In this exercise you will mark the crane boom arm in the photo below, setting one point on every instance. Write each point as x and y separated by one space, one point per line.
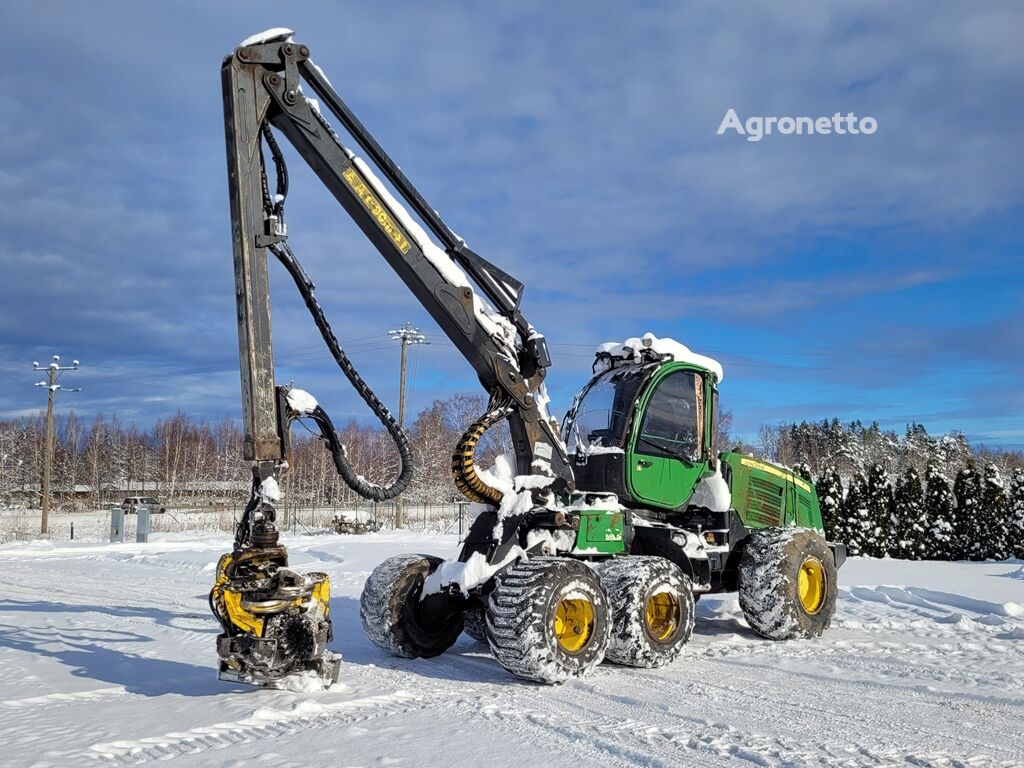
262 84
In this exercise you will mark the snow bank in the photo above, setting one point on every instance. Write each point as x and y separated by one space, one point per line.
123 665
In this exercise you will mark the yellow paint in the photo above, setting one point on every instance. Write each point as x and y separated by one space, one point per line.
811 585
239 616
574 624
376 209
662 615
229 603
322 594
773 470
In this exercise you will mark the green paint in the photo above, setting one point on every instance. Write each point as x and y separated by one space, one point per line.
767 495
669 439
668 444
600 532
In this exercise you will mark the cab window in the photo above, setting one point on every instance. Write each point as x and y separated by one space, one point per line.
671 423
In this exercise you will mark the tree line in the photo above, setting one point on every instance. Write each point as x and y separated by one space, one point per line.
185 461
911 496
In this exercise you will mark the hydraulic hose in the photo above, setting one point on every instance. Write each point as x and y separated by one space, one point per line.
468 482
353 480
274 207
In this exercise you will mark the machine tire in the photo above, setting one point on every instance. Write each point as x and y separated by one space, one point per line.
548 619
652 610
475 624
787 583
390 609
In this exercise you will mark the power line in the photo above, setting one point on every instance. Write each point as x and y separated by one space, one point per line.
405 335
53 373
415 366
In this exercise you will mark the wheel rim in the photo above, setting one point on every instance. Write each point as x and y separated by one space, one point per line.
811 585
662 615
573 623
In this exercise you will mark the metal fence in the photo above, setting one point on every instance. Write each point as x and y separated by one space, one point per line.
453 517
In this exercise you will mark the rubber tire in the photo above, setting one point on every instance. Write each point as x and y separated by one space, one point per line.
475 624
388 609
630 581
520 619
768 583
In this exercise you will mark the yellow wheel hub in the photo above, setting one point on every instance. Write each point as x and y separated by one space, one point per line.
662 615
811 585
574 624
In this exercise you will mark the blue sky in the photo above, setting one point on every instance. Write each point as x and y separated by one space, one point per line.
874 277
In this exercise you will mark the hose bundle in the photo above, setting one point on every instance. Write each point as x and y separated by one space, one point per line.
368 490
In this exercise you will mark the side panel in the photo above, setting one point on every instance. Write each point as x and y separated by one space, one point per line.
662 481
767 495
601 532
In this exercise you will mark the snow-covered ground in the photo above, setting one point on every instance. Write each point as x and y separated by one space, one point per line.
107 657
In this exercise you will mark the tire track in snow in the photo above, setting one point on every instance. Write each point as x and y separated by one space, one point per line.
751 695
622 722
705 742
262 724
50 699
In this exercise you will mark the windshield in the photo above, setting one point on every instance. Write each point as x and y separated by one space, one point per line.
599 419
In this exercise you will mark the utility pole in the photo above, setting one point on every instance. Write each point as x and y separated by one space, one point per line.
407 335
53 372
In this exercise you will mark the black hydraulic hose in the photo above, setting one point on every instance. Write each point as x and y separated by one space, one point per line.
356 482
280 170
244 528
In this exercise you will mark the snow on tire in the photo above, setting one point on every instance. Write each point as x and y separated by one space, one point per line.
652 610
547 619
393 616
787 583
475 625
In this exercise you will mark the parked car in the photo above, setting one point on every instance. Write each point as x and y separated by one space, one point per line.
134 503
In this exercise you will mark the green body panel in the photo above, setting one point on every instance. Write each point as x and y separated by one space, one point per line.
767 495
661 480
601 532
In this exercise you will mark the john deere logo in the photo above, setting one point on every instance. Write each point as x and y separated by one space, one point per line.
376 209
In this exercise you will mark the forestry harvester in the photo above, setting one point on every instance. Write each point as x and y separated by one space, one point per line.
599 536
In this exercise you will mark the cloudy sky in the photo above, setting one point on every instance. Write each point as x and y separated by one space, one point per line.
875 277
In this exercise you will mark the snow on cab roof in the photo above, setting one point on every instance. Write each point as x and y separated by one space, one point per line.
634 347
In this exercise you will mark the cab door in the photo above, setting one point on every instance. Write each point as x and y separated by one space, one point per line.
665 456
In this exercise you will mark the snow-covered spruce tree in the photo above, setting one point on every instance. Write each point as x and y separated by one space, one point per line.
830 499
803 470
879 504
854 521
941 511
994 512
909 517
969 537
1015 521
